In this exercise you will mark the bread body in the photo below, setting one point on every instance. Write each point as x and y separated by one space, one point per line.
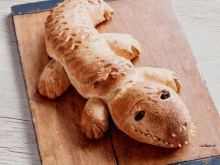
92 67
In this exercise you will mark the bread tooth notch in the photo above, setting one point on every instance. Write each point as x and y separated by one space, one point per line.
174 135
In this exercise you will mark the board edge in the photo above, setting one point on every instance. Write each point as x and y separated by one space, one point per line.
36 7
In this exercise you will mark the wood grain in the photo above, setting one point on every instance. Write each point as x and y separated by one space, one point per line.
173 52
18 141
17 147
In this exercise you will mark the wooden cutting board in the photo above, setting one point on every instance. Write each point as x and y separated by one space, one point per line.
154 24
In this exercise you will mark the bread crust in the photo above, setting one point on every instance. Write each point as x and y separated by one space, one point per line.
163 118
53 80
82 51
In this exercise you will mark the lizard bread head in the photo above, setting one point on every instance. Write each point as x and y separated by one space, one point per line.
152 113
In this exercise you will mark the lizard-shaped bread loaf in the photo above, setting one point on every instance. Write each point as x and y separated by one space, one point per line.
143 102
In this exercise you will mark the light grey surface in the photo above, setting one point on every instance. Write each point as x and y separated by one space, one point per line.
199 19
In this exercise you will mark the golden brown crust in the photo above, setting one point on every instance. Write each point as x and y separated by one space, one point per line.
94 119
163 118
85 55
163 76
53 80
123 45
117 43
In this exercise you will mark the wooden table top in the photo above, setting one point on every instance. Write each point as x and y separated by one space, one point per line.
200 21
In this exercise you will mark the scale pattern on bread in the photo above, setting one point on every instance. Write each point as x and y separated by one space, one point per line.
143 102
79 47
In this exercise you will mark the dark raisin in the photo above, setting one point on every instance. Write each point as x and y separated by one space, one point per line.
139 116
165 95
96 83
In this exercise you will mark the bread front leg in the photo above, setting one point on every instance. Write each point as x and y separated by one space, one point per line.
123 45
94 119
54 81
163 76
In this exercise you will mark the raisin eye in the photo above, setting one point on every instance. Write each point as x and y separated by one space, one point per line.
139 116
165 95
96 83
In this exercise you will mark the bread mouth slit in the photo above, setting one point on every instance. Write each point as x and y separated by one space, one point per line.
153 137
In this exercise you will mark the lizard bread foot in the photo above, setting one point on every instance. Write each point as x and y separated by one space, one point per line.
94 120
